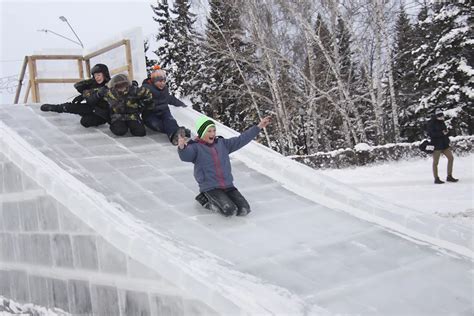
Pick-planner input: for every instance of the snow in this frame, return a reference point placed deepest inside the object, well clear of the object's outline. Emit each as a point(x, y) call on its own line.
point(451, 35)
point(410, 183)
point(468, 91)
point(309, 241)
point(463, 66)
point(362, 147)
point(10, 307)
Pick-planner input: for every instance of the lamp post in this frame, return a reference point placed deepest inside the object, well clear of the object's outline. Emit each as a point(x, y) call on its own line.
point(57, 34)
point(63, 18)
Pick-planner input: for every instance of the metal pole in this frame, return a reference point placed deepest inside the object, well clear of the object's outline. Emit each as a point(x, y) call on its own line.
point(46, 31)
point(62, 18)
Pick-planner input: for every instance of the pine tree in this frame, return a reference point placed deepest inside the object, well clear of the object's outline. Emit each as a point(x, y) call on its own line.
point(445, 64)
point(403, 72)
point(322, 116)
point(343, 42)
point(148, 61)
point(184, 50)
point(164, 37)
point(223, 94)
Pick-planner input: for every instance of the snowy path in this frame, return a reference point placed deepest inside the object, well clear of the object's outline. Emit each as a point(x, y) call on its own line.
point(322, 256)
point(410, 183)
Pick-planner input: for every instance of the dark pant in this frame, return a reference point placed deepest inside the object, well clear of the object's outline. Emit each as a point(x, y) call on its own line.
point(162, 122)
point(89, 118)
point(227, 201)
point(121, 128)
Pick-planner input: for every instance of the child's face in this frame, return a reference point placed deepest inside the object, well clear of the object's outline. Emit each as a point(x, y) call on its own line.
point(99, 77)
point(160, 82)
point(210, 135)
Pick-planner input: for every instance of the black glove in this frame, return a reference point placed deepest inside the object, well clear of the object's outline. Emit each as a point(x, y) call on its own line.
point(102, 92)
point(78, 99)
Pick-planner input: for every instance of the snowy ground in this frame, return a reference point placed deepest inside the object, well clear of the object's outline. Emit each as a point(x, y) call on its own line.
point(410, 183)
point(10, 307)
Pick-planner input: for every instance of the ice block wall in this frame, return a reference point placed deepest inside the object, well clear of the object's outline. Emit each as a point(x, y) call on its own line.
point(50, 257)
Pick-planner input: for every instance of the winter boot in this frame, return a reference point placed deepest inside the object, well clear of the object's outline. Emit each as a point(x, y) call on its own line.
point(243, 211)
point(180, 131)
point(204, 201)
point(451, 179)
point(59, 108)
point(438, 181)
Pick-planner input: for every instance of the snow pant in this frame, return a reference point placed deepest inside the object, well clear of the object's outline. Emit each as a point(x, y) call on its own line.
point(436, 155)
point(88, 117)
point(162, 122)
point(121, 128)
point(227, 201)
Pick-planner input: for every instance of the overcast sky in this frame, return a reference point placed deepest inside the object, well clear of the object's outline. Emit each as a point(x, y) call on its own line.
point(93, 21)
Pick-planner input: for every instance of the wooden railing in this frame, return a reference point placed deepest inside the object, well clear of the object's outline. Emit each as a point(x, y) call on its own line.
point(33, 82)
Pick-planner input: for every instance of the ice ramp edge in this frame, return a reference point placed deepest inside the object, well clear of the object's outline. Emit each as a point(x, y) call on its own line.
point(199, 274)
point(309, 183)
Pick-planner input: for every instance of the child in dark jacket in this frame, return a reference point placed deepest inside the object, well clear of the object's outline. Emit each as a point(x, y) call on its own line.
point(94, 111)
point(159, 117)
point(212, 169)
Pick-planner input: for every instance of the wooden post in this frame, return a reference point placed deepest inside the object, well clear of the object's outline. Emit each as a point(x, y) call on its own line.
point(81, 68)
point(27, 92)
point(88, 68)
point(35, 87)
point(128, 54)
point(20, 80)
point(31, 71)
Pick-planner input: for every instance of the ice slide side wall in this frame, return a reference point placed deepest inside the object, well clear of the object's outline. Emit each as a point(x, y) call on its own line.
point(317, 187)
point(201, 280)
point(49, 257)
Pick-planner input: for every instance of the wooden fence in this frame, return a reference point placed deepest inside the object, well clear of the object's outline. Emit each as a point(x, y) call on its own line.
point(30, 62)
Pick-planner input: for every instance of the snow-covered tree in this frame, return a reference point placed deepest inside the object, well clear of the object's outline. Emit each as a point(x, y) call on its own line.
point(227, 70)
point(445, 66)
point(148, 61)
point(164, 37)
point(184, 50)
point(403, 72)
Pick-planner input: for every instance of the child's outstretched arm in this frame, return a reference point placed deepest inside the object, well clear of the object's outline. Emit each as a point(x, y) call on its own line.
point(185, 152)
point(243, 139)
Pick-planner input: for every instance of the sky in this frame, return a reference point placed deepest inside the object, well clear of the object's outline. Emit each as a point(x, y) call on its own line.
point(93, 21)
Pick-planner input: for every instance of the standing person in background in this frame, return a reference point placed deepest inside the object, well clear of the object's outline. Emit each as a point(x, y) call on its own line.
point(126, 102)
point(212, 169)
point(438, 133)
point(159, 118)
point(94, 111)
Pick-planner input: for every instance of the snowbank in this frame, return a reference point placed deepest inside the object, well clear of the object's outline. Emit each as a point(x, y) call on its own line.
point(363, 154)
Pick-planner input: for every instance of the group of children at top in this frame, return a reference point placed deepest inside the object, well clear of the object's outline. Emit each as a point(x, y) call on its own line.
point(125, 106)
point(128, 107)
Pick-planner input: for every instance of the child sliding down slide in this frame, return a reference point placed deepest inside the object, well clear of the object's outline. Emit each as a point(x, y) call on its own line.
point(212, 169)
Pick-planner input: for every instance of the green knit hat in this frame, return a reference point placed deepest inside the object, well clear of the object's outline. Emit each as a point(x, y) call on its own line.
point(202, 125)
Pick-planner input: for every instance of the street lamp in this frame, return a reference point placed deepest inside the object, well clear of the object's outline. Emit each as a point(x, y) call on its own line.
point(46, 31)
point(63, 18)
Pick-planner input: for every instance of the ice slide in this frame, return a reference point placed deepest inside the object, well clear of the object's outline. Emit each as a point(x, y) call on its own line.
point(96, 224)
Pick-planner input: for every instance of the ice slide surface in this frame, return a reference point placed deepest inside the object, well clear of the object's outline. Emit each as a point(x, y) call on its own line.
point(326, 250)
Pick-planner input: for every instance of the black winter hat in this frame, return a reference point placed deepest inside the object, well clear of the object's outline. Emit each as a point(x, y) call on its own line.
point(102, 69)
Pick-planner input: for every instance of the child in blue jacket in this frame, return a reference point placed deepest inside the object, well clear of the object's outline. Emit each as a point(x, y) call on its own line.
point(212, 169)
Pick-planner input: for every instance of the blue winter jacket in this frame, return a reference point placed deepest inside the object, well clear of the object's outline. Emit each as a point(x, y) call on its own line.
point(211, 161)
point(161, 98)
